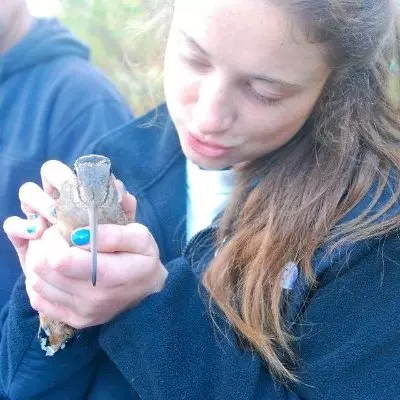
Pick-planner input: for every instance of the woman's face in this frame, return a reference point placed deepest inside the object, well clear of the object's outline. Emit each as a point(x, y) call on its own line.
point(240, 79)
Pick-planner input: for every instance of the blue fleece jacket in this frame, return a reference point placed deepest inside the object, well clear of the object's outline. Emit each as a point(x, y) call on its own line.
point(53, 103)
point(168, 347)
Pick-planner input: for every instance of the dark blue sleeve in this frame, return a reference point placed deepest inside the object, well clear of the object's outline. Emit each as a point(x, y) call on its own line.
point(168, 348)
point(349, 343)
point(75, 135)
point(25, 371)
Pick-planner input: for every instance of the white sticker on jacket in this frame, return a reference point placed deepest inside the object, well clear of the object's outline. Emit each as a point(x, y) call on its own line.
point(289, 275)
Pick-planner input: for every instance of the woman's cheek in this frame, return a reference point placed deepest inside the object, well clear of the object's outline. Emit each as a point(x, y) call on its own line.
point(187, 86)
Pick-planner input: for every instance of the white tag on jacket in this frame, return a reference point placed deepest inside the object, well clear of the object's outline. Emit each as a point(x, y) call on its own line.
point(289, 275)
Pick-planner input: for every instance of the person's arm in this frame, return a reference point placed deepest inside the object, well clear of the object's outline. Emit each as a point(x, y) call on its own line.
point(166, 345)
point(174, 353)
point(349, 345)
point(168, 348)
point(350, 339)
point(26, 372)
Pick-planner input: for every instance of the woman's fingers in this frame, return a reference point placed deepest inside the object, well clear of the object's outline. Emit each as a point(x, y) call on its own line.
point(19, 228)
point(35, 201)
point(122, 250)
point(54, 173)
point(12, 229)
point(132, 238)
point(20, 231)
point(112, 268)
point(50, 291)
point(51, 309)
point(58, 276)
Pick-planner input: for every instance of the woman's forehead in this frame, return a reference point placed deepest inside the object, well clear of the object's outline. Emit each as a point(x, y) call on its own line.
point(250, 35)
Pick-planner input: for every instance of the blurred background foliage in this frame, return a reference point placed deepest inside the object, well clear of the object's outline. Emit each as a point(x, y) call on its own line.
point(126, 38)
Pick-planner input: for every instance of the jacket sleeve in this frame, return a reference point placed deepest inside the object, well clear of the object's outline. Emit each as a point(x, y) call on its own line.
point(25, 371)
point(349, 345)
point(168, 348)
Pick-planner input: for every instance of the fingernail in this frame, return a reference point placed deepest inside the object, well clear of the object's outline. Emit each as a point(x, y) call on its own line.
point(80, 237)
point(31, 229)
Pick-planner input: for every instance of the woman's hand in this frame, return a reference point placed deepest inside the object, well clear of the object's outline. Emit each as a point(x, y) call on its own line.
point(39, 206)
point(58, 276)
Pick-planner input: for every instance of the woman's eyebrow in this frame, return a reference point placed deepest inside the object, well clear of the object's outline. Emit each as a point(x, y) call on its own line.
point(193, 42)
point(264, 78)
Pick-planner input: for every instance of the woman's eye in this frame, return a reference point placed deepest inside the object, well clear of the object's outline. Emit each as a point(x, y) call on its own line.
point(262, 97)
point(195, 62)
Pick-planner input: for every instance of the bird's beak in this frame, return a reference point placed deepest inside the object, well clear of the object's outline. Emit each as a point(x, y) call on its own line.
point(93, 241)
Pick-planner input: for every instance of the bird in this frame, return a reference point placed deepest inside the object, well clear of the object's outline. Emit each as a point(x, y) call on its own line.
point(88, 198)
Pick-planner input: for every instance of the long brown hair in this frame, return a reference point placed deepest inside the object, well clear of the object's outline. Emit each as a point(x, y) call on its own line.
point(290, 201)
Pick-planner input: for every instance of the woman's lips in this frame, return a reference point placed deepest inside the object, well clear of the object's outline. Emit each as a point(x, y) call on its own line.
point(207, 149)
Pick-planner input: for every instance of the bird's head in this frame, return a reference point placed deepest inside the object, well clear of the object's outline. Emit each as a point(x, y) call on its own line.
point(93, 173)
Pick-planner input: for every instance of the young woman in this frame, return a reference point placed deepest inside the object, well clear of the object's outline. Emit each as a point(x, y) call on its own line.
point(292, 292)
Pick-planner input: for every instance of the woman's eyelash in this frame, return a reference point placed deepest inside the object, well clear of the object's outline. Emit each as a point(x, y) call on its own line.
point(194, 61)
point(262, 98)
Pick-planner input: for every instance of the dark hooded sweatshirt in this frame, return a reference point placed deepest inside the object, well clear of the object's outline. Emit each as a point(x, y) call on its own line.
point(53, 103)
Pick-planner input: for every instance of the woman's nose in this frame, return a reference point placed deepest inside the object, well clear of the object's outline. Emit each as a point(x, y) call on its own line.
point(214, 110)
